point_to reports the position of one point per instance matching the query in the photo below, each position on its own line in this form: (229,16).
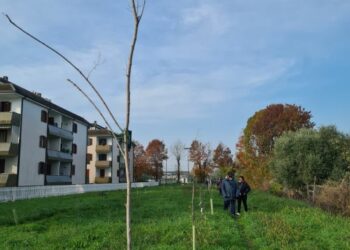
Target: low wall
(22,193)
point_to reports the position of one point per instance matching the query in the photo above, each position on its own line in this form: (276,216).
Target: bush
(300,156)
(335,197)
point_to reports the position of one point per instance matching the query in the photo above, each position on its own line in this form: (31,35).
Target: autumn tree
(255,147)
(222,156)
(200,155)
(156,153)
(141,166)
(177,150)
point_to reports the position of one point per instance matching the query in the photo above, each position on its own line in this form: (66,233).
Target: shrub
(335,197)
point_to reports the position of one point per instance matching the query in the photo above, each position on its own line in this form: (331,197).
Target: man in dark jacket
(228,191)
(242,194)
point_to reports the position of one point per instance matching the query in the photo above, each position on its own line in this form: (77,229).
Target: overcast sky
(202,67)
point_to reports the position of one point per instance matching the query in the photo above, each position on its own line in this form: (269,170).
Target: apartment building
(105,163)
(41,143)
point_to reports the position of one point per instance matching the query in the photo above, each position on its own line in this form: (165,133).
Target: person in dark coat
(228,191)
(242,194)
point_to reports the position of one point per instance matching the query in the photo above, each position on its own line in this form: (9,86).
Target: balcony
(103,180)
(103,148)
(8,119)
(58,180)
(8,149)
(103,164)
(60,132)
(58,156)
(8,180)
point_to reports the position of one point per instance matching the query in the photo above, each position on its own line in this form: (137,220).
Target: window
(43,116)
(102,141)
(41,168)
(72,170)
(48,169)
(43,142)
(2,166)
(51,121)
(89,157)
(102,157)
(118,158)
(3,135)
(5,106)
(90,141)
(74,148)
(75,128)
(102,173)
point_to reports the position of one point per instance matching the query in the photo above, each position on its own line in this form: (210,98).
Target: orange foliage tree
(254,148)
(200,155)
(141,166)
(222,159)
(156,153)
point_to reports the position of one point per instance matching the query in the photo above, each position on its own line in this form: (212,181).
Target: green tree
(300,156)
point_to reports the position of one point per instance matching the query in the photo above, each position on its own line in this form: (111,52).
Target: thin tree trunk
(193,225)
(178,170)
(137,18)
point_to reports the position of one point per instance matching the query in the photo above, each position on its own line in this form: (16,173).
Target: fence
(22,193)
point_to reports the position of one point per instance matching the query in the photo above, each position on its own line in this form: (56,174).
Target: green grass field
(162,220)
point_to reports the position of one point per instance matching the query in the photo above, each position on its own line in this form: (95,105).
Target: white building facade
(105,163)
(40,142)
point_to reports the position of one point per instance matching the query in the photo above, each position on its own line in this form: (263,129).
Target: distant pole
(166,171)
(188,165)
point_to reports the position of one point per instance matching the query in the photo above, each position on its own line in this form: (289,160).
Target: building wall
(79,159)
(115,165)
(91,165)
(30,153)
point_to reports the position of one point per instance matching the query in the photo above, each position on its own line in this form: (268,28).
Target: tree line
(149,162)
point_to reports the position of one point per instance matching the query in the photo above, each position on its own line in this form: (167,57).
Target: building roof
(8,87)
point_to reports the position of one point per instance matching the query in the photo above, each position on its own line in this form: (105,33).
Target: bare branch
(143,8)
(70,63)
(99,111)
(97,63)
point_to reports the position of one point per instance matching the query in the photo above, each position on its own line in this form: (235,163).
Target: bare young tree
(137,10)
(177,149)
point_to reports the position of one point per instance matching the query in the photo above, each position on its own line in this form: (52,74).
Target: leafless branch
(100,112)
(97,63)
(70,63)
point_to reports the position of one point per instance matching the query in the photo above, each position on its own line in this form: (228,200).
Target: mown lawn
(162,220)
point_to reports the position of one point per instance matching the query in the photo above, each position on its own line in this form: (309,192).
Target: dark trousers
(244,199)
(231,204)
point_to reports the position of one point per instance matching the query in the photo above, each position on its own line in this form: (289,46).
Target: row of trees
(149,162)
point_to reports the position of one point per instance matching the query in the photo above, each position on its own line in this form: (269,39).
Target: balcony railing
(59,156)
(103,148)
(8,149)
(60,132)
(103,164)
(58,180)
(101,180)
(10,119)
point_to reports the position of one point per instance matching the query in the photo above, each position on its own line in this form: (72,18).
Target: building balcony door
(2,166)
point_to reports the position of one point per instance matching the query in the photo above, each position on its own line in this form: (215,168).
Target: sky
(201,69)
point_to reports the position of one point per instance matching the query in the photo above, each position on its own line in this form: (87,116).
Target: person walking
(242,194)
(228,191)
